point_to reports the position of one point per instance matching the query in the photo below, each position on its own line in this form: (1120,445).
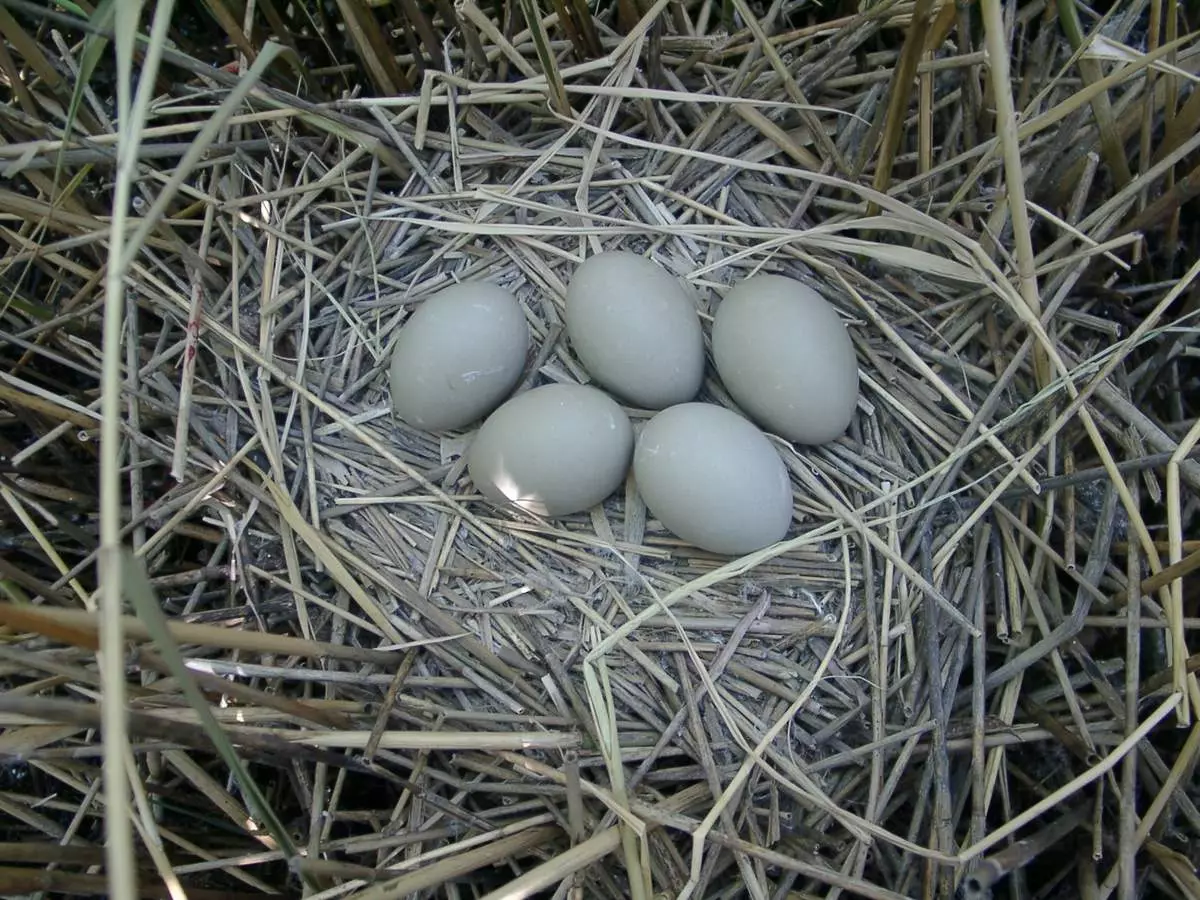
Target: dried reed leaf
(372,46)
(549,62)
(83,626)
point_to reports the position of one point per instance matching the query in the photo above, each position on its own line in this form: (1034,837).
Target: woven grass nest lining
(451,679)
(560,578)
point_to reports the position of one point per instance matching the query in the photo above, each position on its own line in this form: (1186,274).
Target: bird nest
(338,666)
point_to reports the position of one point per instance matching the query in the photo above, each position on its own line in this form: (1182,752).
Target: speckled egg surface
(713,479)
(635,329)
(552,451)
(458,356)
(786,358)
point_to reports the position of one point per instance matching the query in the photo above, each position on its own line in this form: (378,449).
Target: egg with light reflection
(458,356)
(552,451)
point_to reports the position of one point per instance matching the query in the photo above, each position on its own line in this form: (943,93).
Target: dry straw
(261,638)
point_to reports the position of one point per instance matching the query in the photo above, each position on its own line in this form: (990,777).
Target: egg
(635,330)
(713,478)
(458,356)
(786,358)
(553,450)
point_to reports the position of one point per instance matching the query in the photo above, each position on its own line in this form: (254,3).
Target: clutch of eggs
(708,474)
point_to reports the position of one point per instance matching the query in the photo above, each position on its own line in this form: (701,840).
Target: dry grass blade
(568,24)
(561,867)
(468,861)
(26,881)
(1177,867)
(1006,123)
(1185,762)
(755,755)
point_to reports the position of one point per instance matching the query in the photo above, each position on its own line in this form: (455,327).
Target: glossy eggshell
(635,329)
(713,479)
(552,451)
(786,358)
(458,356)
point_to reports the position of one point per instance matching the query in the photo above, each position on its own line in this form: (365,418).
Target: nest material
(431,695)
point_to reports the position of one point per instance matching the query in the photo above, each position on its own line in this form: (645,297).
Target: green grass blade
(120,857)
(94,46)
(140,593)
